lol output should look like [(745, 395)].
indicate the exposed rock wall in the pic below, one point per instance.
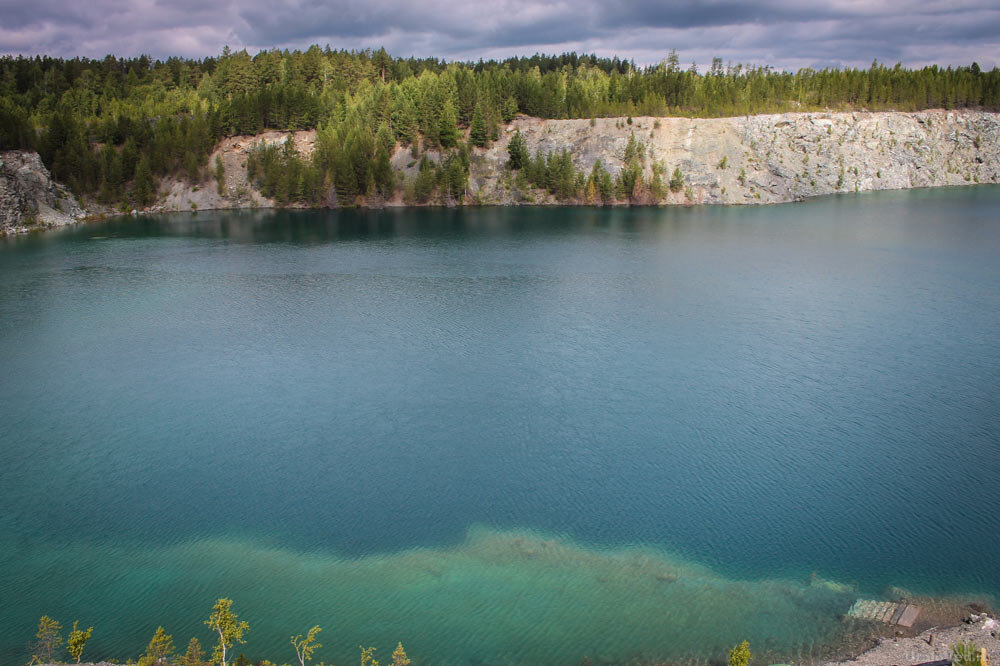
[(742, 160), (29, 197), (768, 158), (772, 158)]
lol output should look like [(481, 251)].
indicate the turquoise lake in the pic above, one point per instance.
[(501, 436)]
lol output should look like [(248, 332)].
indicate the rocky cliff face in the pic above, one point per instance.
[(744, 160), (771, 158), (28, 196)]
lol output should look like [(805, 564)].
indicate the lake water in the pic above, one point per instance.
[(501, 435)]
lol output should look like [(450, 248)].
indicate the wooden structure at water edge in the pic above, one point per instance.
[(903, 615)]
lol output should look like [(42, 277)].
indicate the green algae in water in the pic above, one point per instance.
[(500, 597)]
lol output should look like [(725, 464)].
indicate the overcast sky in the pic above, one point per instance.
[(784, 33)]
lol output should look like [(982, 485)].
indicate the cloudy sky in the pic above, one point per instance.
[(785, 33)]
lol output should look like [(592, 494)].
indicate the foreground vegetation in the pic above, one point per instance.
[(110, 128), (229, 631)]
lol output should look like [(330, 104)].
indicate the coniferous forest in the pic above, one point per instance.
[(110, 128)]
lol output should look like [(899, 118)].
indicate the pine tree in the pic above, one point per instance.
[(399, 657), (478, 133), (518, 151), (509, 109), (448, 125), (47, 640), (194, 656), (404, 118), (160, 647), (142, 189), (676, 180), (220, 175)]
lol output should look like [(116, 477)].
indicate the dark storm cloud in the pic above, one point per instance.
[(785, 33)]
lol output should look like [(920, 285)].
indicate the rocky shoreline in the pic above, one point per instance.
[(933, 644), (29, 198), (762, 159)]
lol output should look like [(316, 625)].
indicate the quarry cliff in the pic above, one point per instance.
[(759, 159), (742, 160)]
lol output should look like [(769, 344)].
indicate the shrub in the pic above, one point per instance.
[(676, 180), (966, 654), (740, 654)]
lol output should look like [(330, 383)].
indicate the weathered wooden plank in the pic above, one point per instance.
[(898, 614), (909, 616)]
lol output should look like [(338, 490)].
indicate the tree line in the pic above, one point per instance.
[(228, 631), (109, 128)]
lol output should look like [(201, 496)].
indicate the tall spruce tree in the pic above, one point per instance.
[(478, 132)]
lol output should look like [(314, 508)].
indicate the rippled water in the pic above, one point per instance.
[(501, 436)]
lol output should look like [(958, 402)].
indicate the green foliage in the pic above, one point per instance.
[(453, 178), (304, 647), (220, 176), (399, 657), (282, 174), (509, 109), (601, 181), (95, 121), (142, 189), (160, 647), (966, 654), (724, 161), (48, 638), (448, 126), (366, 656), (193, 656), (517, 149), (77, 640), (677, 180), (229, 628), (656, 186), (478, 133), (740, 655), (635, 150)]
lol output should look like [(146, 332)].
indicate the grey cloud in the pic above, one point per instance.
[(785, 33)]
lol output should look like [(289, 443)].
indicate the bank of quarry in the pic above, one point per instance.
[(761, 159)]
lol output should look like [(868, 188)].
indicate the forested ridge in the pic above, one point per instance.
[(110, 128)]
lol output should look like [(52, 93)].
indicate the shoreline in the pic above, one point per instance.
[(95, 218), (742, 160), (932, 644)]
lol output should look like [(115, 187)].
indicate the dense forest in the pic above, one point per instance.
[(110, 128)]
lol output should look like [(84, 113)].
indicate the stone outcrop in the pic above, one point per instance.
[(29, 198), (771, 158), (742, 160)]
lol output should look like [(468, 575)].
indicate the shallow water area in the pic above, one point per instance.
[(502, 435)]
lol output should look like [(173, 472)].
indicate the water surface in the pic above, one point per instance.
[(501, 435)]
